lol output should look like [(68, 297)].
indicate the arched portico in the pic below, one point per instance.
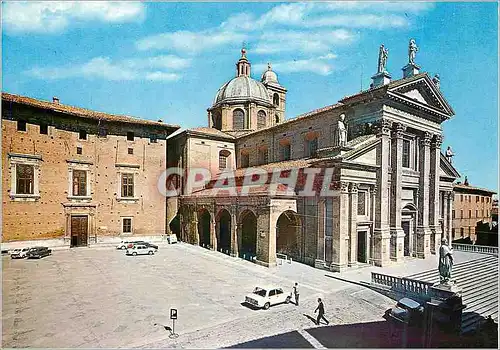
[(223, 231), (247, 238), (288, 235), (204, 219)]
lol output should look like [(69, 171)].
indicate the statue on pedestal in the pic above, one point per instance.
[(449, 154), (412, 51), (445, 262), (436, 80), (341, 132), (383, 53)]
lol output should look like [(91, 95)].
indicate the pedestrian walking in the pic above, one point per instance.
[(321, 312), (296, 293)]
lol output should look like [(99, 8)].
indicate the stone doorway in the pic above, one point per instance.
[(79, 230), (362, 246), (405, 225), (288, 229)]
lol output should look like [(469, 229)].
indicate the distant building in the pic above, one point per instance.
[(471, 205), (76, 175)]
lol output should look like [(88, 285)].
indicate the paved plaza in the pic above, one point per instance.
[(102, 298)]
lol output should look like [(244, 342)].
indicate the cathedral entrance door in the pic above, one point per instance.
[(362, 246), (406, 228)]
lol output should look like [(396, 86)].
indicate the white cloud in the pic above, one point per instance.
[(190, 42), (302, 42), (370, 21), (321, 65), (55, 16), (151, 68)]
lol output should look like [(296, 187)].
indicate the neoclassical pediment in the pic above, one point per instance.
[(447, 169)]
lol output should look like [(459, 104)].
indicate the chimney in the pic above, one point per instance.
[(55, 100)]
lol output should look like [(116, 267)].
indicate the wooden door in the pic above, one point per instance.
[(79, 230)]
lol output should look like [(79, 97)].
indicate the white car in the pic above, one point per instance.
[(19, 253), (124, 244), (264, 297), (140, 249)]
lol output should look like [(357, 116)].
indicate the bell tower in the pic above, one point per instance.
[(277, 94)]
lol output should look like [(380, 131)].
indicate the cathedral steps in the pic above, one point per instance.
[(478, 280)]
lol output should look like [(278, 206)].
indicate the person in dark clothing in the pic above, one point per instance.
[(321, 312), (296, 293)]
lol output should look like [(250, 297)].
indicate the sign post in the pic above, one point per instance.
[(173, 317)]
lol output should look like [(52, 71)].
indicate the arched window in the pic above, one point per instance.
[(261, 119), (238, 119), (276, 99), (223, 155), (277, 119)]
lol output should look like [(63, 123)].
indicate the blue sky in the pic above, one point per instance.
[(167, 60)]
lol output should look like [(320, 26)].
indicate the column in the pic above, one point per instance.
[(373, 196), (213, 236), (434, 191), (397, 233), (381, 232), (266, 238), (423, 230), (353, 226), (196, 231), (320, 246), (448, 218), (340, 238), (234, 235)]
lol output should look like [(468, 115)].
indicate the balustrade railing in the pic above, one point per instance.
[(472, 248), (403, 284)]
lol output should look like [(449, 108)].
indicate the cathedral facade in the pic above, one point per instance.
[(361, 181)]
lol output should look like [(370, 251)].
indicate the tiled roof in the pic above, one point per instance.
[(471, 188), (283, 165), (211, 131), (80, 112), (301, 116), (281, 190)]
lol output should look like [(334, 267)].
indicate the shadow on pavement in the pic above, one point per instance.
[(313, 319), (291, 339)]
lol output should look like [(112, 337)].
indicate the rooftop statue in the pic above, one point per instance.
[(382, 59), (341, 132), (412, 51), (436, 80), (445, 262), (449, 154)]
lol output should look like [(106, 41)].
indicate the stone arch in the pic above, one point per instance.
[(223, 231), (175, 225), (276, 99), (223, 159), (261, 119), (247, 242), (288, 234), (204, 221), (238, 119), (217, 120)]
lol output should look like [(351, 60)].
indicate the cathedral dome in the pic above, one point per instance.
[(269, 76), (241, 89)]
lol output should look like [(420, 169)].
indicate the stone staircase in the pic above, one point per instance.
[(479, 282)]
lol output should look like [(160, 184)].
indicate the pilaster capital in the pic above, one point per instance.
[(398, 130), (383, 127), (448, 195), (373, 189), (437, 141), (353, 187), (426, 139), (342, 186)]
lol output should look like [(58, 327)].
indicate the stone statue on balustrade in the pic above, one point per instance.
[(449, 154), (340, 138), (412, 51), (445, 262), (383, 53)]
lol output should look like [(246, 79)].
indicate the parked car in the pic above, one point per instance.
[(125, 244), (267, 296), (14, 251), (406, 311), (172, 239), (38, 252), (140, 249), (19, 253), (131, 244)]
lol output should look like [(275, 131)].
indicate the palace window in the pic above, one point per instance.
[(238, 119), (130, 150), (277, 119), (82, 135), (482, 199), (130, 136), (461, 214), (361, 203), (263, 156), (285, 151), (44, 129), (244, 160), (21, 125), (102, 131), (461, 198), (79, 150), (453, 233), (406, 154), (25, 179), (261, 119), (223, 155), (276, 99), (453, 213), (126, 225), (477, 213), (79, 183), (311, 147), (127, 185), (461, 231), (477, 199), (470, 214)]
